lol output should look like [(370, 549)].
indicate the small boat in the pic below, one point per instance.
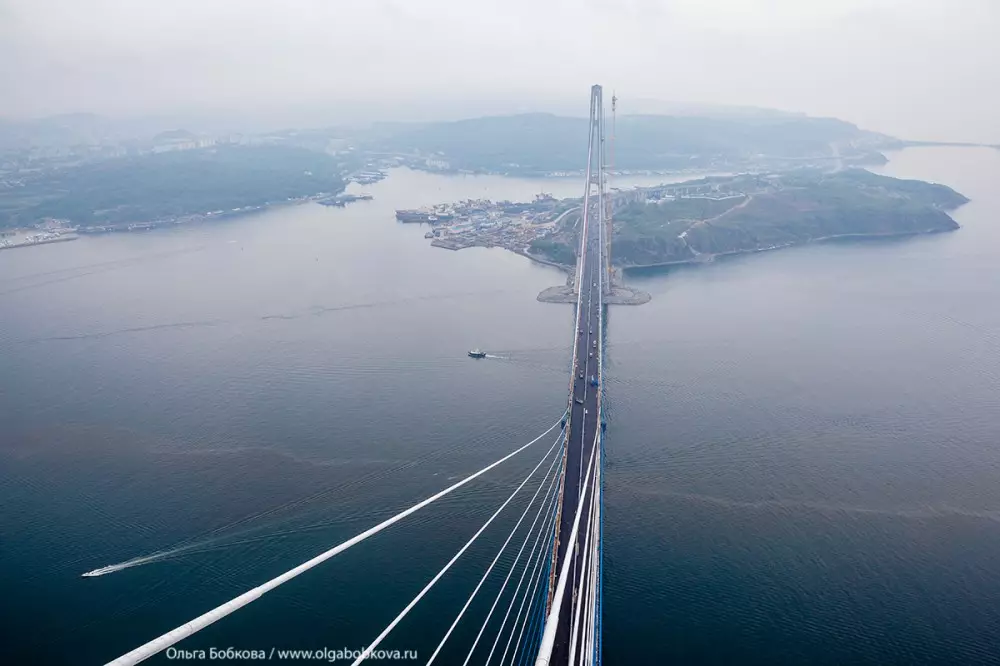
[(475, 353)]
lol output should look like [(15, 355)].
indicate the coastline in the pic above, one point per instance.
[(821, 239), (195, 218), (47, 241), (710, 258), (181, 220), (545, 262), (627, 296)]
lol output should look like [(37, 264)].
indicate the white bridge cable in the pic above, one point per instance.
[(590, 636), (552, 621), (587, 618), (538, 548), (586, 655), (548, 523), (536, 606), (528, 589), (539, 551), (530, 596), (596, 569), (161, 643), (584, 576), (545, 502), (591, 607), (403, 613)]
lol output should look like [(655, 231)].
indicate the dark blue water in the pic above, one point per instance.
[(804, 446)]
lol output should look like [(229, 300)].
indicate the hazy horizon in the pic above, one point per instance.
[(918, 69)]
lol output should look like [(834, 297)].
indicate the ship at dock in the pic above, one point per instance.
[(367, 177), (342, 200), (422, 215)]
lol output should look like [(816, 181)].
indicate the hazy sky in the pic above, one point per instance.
[(916, 68)]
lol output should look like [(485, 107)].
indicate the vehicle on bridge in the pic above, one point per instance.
[(593, 380), (579, 401)]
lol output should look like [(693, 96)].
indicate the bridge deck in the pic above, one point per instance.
[(585, 406)]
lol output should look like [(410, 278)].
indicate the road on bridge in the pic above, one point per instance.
[(583, 419)]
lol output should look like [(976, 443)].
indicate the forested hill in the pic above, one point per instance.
[(697, 220), (169, 184), (749, 214), (541, 142)]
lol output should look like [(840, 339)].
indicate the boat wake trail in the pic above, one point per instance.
[(136, 562), (212, 545), (220, 537), (214, 541), (201, 546)]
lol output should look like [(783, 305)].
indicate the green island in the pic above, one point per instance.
[(699, 220), (166, 187)]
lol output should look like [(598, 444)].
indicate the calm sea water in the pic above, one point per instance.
[(804, 446)]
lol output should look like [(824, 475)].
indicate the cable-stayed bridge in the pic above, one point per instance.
[(548, 607)]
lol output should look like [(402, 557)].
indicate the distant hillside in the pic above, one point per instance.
[(540, 142), (54, 131), (643, 106), (156, 186)]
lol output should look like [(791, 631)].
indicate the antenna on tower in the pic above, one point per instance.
[(611, 196), (614, 107)]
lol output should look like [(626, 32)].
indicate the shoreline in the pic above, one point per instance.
[(539, 260), (199, 218), (150, 225), (47, 241), (821, 239), (722, 255)]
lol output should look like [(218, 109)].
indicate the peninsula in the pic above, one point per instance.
[(698, 220), (704, 219)]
